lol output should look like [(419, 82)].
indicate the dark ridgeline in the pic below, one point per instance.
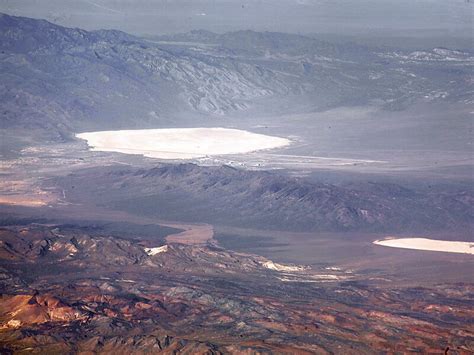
[(229, 196)]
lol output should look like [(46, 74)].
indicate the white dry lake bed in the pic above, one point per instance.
[(429, 245), (181, 143)]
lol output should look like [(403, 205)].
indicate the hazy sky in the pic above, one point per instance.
[(304, 16)]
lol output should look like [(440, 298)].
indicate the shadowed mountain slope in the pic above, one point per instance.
[(228, 195)]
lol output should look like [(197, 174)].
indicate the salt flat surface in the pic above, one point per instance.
[(281, 267), (157, 250), (181, 143), (428, 244)]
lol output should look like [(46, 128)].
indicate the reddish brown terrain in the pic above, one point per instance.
[(65, 290)]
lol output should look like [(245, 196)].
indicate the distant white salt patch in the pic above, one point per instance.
[(181, 143), (428, 244), (280, 267), (313, 278), (157, 250)]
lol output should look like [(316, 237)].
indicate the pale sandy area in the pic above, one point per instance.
[(181, 143), (428, 244), (24, 193), (193, 234), (20, 200)]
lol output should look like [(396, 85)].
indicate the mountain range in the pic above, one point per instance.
[(230, 196), (57, 80)]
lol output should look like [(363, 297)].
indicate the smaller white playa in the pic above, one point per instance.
[(280, 267), (157, 250), (429, 245), (181, 143)]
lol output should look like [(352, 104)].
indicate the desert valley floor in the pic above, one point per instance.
[(235, 193)]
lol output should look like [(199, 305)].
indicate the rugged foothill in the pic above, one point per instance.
[(65, 290), (230, 196)]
